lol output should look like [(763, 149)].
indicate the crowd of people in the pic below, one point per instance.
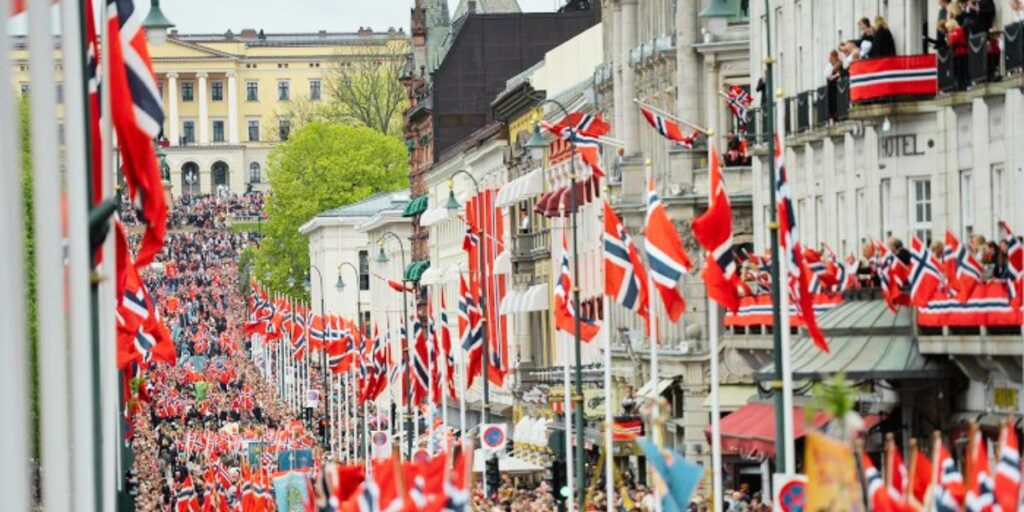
[(205, 211)]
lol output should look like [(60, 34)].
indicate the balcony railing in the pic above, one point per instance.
[(532, 245), (738, 178)]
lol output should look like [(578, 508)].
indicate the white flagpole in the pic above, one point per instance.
[(13, 374), (84, 438), (716, 416), (671, 116), (461, 376), (49, 263), (653, 327), (609, 420), (787, 375), (567, 352), (444, 378)]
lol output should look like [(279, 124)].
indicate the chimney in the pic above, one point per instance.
[(471, 7)]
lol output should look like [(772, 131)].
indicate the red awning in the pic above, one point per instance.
[(750, 430)]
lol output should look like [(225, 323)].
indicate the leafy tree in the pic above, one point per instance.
[(322, 166)]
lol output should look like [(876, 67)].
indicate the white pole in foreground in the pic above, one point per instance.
[(716, 413), (49, 262), (652, 308), (13, 375), (787, 375), (609, 462), (570, 501)]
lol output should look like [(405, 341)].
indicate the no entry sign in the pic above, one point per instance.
[(493, 436)]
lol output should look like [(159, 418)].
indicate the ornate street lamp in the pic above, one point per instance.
[(156, 25)]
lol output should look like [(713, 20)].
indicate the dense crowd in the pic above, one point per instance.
[(205, 211)]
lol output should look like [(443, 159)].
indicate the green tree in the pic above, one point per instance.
[(322, 166)]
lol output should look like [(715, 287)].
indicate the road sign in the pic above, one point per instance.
[(493, 436), (790, 493), (381, 443), (312, 398), (421, 455)]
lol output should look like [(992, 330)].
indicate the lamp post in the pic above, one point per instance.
[(323, 364), (536, 145), (407, 350), (340, 286), (156, 25), (485, 356)]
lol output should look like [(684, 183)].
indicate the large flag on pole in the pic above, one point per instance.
[(624, 277), (583, 131), (565, 307), (138, 115), (789, 244), (713, 230), (446, 347), (668, 128), (470, 332), (665, 254)]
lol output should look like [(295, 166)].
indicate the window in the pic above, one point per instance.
[(284, 129), (252, 90), (801, 219), (314, 90), (819, 221), (921, 208), (858, 212), (217, 91), (1000, 210), (364, 270), (60, 93), (220, 174), (283, 90), (840, 225), (218, 130), (254, 130), (188, 131), (255, 173), (187, 93), (885, 204), (966, 205)]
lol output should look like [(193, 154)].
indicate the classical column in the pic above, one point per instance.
[(172, 106), (627, 41), (615, 58), (204, 118), (232, 108)]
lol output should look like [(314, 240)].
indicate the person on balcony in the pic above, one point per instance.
[(736, 150), (833, 73), (867, 38), (1017, 6), (958, 42), (850, 52), (884, 45), (978, 16)]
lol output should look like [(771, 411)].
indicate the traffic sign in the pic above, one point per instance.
[(493, 436), (381, 443), (420, 455), (790, 493)]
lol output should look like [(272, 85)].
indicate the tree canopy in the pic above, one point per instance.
[(323, 165)]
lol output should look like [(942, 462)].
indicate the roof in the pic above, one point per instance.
[(371, 205), (750, 430), (416, 206), (866, 341), (414, 271), (253, 38), (486, 7)]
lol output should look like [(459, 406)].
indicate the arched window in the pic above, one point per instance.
[(220, 174), (255, 173), (190, 178)]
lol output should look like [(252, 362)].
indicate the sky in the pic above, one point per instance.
[(217, 16)]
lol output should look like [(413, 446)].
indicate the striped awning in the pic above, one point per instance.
[(534, 298), (522, 188)]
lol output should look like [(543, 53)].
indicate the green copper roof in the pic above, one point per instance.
[(415, 270), (415, 207)]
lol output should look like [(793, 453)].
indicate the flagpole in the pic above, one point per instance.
[(652, 312), (444, 378), (570, 501), (669, 115), (609, 463), (716, 409), (462, 378), (784, 345)]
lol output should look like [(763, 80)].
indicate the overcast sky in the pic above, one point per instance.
[(300, 15)]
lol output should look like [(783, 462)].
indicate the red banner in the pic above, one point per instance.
[(908, 75)]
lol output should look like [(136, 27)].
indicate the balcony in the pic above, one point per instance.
[(738, 180), (532, 246)]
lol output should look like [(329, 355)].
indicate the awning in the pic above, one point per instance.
[(731, 397), (750, 431), (649, 390), (415, 206), (432, 276), (522, 188), (414, 272), (503, 263), (507, 465), (510, 304), (860, 358), (433, 216), (534, 298)]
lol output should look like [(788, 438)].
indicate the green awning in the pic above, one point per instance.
[(416, 206), (414, 272)]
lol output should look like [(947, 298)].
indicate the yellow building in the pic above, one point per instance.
[(228, 97)]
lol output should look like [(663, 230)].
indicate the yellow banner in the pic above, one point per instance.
[(832, 483)]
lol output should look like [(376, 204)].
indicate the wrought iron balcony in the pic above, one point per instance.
[(533, 245)]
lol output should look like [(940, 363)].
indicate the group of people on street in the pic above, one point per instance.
[(205, 211)]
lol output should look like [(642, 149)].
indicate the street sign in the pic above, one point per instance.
[(420, 455), (493, 436), (381, 443), (312, 398), (790, 492)]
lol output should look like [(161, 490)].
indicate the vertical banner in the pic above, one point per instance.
[(832, 482)]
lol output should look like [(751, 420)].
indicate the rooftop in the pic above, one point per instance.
[(370, 206)]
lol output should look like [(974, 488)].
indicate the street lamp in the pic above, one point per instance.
[(382, 258), (156, 25), (340, 286), (716, 16), (536, 146)]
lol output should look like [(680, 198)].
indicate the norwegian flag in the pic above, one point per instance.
[(665, 254), (142, 336), (713, 231), (980, 485), (1014, 264), (624, 277), (433, 348), (880, 500), (137, 114), (963, 271), (668, 128), (896, 483), (583, 131), (925, 276), (317, 331), (847, 273), (892, 274), (186, 499), (470, 332), (446, 347), (1007, 481), (565, 308), (789, 244), (471, 240), (739, 101), (420, 365), (821, 279)]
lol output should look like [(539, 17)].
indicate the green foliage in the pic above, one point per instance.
[(245, 261), (837, 397), (29, 241), (322, 166)]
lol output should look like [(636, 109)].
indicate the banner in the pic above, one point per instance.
[(832, 482), (294, 459), (593, 403), (908, 75)]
